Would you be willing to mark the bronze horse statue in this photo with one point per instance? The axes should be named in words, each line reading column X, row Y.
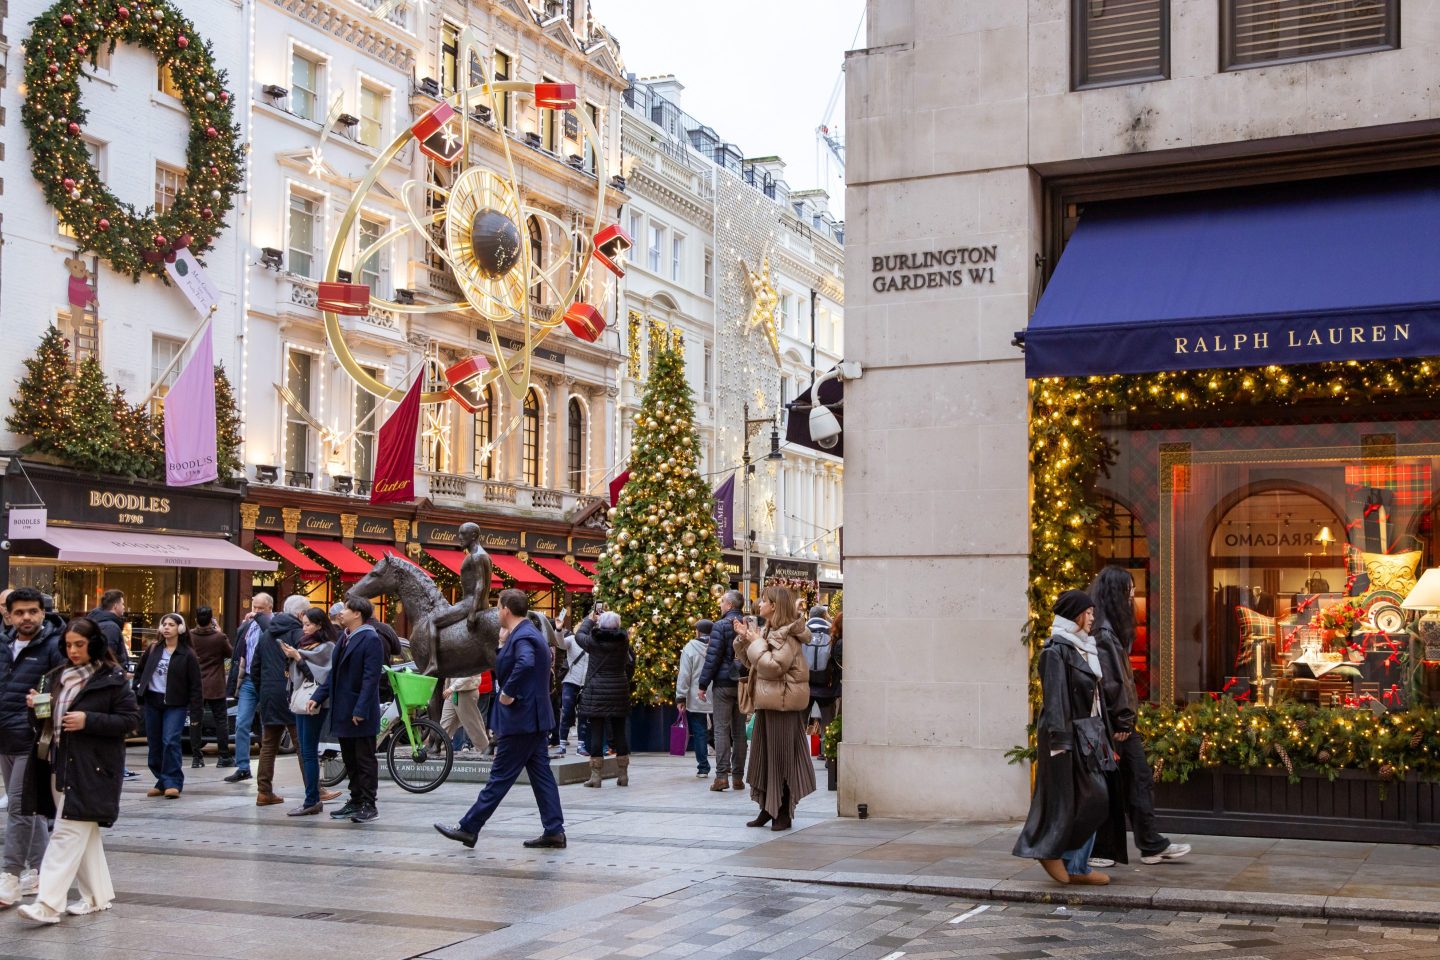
column 456, row 652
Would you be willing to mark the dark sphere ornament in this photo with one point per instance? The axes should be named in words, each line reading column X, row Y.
column 182, row 41
column 211, row 133
column 103, row 224
column 495, row 242
column 207, row 213
column 67, row 19
column 122, row 13
column 74, row 129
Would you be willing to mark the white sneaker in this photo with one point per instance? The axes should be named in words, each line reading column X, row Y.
column 1101, row 863
column 1173, row 852
column 39, row 913
column 29, row 882
column 79, row 908
column 9, row 890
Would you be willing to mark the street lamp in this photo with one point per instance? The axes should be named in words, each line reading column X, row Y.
column 752, row 427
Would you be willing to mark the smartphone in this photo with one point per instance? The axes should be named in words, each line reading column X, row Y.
column 751, row 623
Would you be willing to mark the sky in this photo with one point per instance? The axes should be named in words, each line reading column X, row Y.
column 760, row 72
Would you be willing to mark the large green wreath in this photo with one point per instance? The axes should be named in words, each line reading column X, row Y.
column 63, row 40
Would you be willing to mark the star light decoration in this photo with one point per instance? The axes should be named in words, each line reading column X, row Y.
column 763, row 300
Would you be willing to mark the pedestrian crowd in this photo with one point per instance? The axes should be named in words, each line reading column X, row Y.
column 70, row 695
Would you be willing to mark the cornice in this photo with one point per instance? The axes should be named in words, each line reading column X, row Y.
column 374, row 37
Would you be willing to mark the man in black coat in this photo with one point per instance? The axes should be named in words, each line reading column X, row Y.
column 109, row 617
column 724, row 671
column 272, row 688
column 29, row 650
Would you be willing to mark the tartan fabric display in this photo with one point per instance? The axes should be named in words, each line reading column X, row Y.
column 1409, row 482
column 1253, row 626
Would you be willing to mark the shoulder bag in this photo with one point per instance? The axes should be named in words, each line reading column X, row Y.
column 1092, row 743
column 745, row 694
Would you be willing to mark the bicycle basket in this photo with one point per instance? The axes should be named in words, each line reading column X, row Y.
column 411, row 689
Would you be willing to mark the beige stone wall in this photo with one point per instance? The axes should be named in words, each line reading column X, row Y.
column 950, row 109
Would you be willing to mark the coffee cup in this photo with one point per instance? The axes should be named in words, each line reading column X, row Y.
column 42, row 706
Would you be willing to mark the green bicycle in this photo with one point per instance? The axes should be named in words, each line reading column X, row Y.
column 418, row 754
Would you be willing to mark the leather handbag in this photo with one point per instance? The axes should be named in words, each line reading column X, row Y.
column 300, row 696
column 745, row 694
column 1092, row 743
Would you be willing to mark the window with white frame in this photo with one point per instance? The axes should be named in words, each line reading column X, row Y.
column 303, row 233
column 709, row 272
column 637, row 224
column 502, row 73
column 484, row 458
column 449, row 57
column 163, row 369
column 165, row 81
column 787, row 306
column 169, row 181
column 594, row 113
column 708, row 377
column 82, row 334
column 373, row 102
column 300, row 381
column 365, row 426
column 374, row 272
column 530, row 437
column 96, row 155
column 657, row 247
column 577, row 446
column 677, row 258
column 307, row 75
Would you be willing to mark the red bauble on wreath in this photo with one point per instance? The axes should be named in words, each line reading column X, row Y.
column 61, row 161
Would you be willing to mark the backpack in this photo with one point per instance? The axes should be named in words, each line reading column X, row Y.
column 817, row 658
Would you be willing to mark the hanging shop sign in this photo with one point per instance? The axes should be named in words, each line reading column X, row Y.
column 587, row 547
column 374, row 528
column 543, row 543
column 27, row 523
column 312, row 522
column 934, row 269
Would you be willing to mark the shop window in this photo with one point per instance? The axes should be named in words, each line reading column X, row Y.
column 1248, row 540
column 577, row 446
column 299, row 379
column 484, row 457
column 1119, row 41
column 1260, row 32
column 531, row 437
column 1120, row 540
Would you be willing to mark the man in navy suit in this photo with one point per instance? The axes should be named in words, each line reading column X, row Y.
column 353, row 689
column 523, row 721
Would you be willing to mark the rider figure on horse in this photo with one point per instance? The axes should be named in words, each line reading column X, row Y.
column 475, row 574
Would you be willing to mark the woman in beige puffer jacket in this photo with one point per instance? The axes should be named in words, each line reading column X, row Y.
column 781, row 772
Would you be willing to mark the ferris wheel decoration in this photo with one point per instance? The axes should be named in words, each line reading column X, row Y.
column 480, row 226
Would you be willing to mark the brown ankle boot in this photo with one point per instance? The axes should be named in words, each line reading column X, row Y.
column 596, row 768
column 623, row 778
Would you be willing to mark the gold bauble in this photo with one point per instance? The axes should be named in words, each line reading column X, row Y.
column 638, row 594
column 690, row 596
column 652, row 520
column 655, row 619
column 689, row 538
column 652, row 570
column 716, row 591
column 612, row 513
column 669, row 601
column 683, row 576
column 623, row 537
column 669, row 578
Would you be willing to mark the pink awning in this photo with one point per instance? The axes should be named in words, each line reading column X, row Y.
column 123, row 548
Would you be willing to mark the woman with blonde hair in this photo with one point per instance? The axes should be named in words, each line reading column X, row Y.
column 781, row 773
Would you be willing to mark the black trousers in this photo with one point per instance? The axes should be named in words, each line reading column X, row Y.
column 609, row 730
column 362, row 767
column 222, row 727
column 1136, row 781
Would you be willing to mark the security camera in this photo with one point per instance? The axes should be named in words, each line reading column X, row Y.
column 824, row 427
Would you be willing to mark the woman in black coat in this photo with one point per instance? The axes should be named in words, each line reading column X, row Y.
column 76, row 773
column 167, row 683
column 605, row 699
column 272, row 689
column 1073, row 752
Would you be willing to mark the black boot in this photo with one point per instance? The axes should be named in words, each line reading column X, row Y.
column 782, row 822
column 760, row 820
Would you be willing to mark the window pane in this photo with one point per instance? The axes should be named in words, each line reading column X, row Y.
column 304, row 87
column 168, row 183
column 449, row 56
column 364, row 455
column 709, row 273
column 298, row 369
column 372, row 272
column 303, row 214
column 484, row 459
column 1266, row 31
column 677, row 258
column 577, row 447
column 532, row 438
column 372, row 116
column 656, row 251
column 1120, row 41
column 502, row 72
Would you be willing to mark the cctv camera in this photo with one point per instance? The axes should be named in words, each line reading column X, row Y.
column 824, row 427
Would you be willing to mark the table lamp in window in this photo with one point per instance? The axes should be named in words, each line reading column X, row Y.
column 1425, row 599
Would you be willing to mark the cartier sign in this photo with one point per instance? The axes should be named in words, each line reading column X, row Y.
column 582, row 547
column 448, row 535
column 311, row 522
column 374, row 528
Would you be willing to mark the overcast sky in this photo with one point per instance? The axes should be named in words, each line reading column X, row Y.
column 760, row 72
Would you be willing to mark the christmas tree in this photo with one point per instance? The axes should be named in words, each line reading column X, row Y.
column 40, row 403
column 663, row 554
column 227, row 426
column 88, row 438
column 138, row 449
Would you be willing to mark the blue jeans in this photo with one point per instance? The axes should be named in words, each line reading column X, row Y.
column 699, row 735
column 307, row 732
column 245, row 701
column 163, row 726
column 1077, row 861
column 569, row 697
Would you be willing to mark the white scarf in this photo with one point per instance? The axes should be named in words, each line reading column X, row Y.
column 1067, row 631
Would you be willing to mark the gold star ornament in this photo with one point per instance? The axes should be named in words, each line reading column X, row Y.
column 763, row 300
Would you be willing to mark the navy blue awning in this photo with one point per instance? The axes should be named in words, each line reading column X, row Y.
column 1344, row 269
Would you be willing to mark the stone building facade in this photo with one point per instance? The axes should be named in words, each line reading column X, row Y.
column 985, row 127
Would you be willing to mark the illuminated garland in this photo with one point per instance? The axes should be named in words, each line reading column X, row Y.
column 70, row 35
column 1067, row 449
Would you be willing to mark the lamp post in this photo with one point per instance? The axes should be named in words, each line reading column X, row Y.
column 751, row 428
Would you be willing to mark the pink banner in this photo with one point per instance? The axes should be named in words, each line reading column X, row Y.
column 190, row 452
column 395, row 460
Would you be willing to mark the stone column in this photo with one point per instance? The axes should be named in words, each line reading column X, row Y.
column 558, row 438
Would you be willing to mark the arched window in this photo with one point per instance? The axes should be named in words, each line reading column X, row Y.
column 537, row 258
column 577, row 446
column 485, row 435
column 531, row 415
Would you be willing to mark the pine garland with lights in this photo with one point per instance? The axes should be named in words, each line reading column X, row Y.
column 71, row 34
column 41, row 395
column 663, row 553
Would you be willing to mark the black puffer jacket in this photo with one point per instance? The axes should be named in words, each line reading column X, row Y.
column 721, row 668
column 18, row 676
column 90, row 763
column 607, row 677
column 272, row 671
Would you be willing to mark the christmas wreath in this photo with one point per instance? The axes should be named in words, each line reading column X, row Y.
column 62, row 40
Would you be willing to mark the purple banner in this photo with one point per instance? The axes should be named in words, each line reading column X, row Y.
column 724, row 511
column 190, row 454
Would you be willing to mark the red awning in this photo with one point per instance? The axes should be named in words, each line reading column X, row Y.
column 296, row 559
column 451, row 560
column 574, row 580
column 377, row 551
column 525, row 577
column 588, row 566
column 338, row 556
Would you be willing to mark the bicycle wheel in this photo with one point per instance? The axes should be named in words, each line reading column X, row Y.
column 332, row 768
column 424, row 768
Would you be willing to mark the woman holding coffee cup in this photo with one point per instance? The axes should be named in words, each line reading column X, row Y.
column 75, row 775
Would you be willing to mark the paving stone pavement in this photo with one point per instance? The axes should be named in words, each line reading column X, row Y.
column 666, row 868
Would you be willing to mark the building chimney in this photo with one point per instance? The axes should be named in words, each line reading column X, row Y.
column 667, row 87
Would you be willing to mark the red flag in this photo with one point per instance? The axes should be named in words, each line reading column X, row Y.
column 615, row 486
column 395, row 460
